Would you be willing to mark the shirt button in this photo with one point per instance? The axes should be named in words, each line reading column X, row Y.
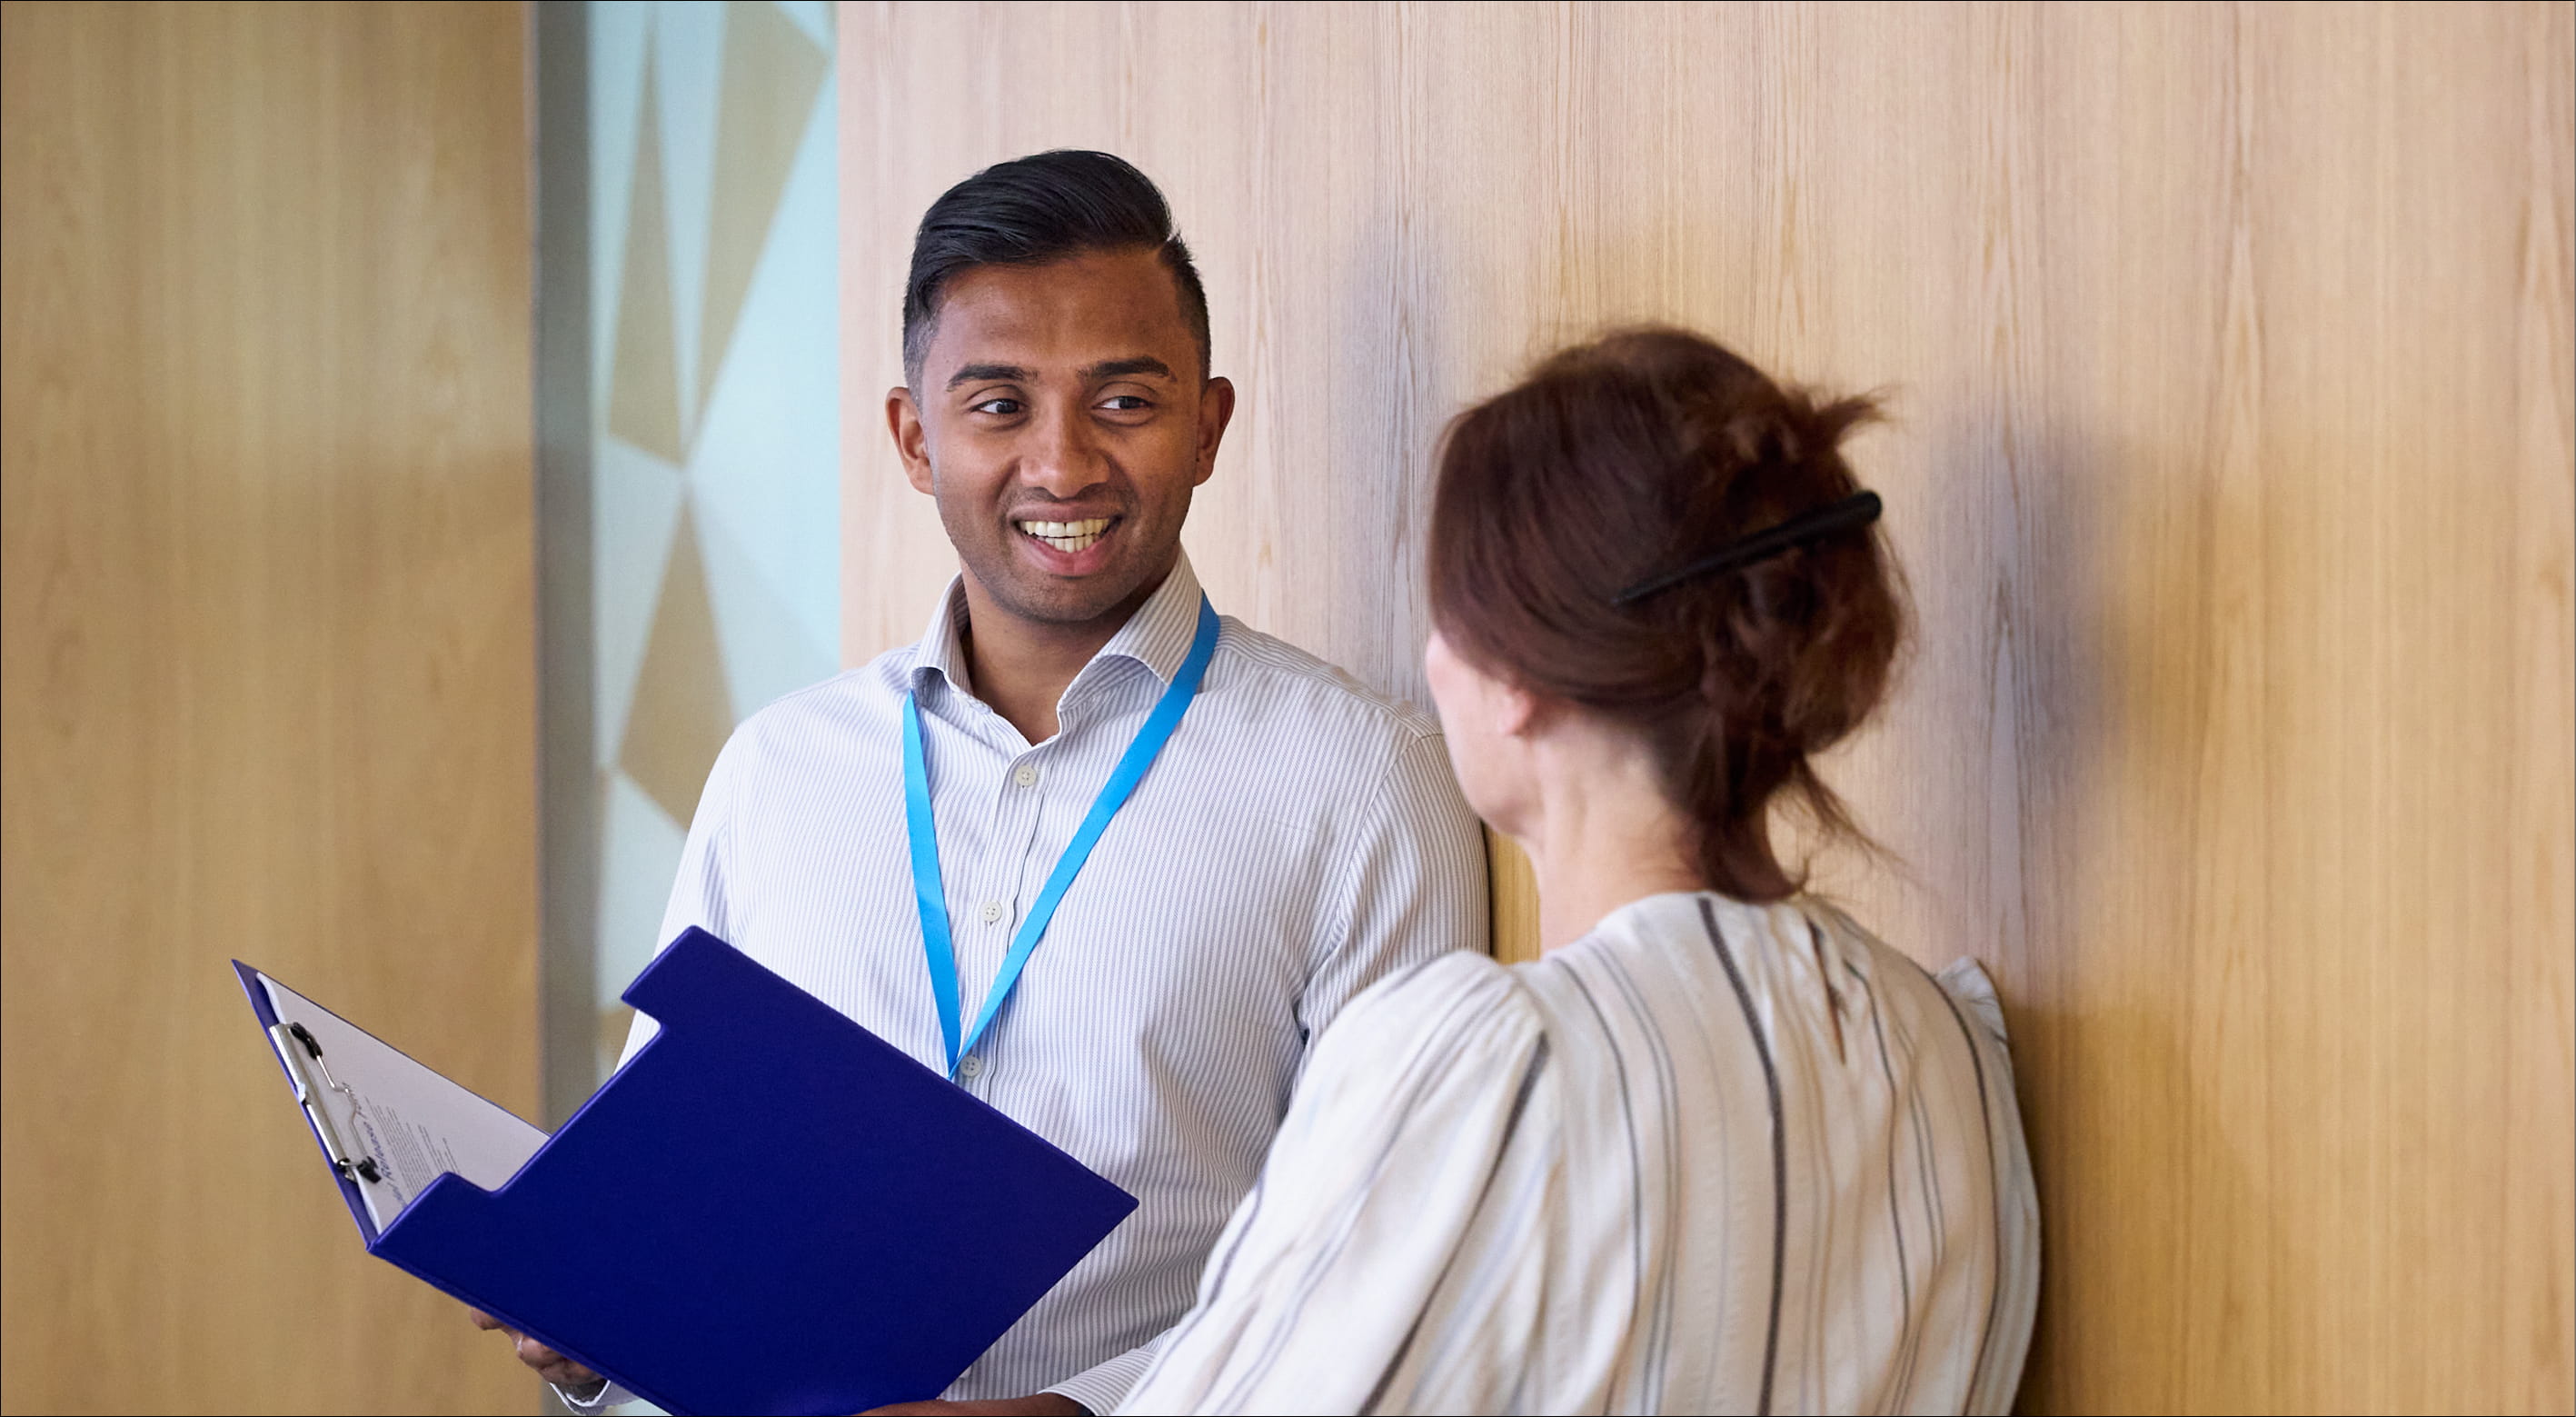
column 970, row 1067
column 1026, row 777
column 992, row 911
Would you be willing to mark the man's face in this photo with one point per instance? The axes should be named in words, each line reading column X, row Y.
column 1060, row 421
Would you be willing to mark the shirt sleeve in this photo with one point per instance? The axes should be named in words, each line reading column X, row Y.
column 2017, row 1234
column 1411, row 889
column 1358, row 1237
column 601, row 1396
column 1411, row 885
column 1101, row 1387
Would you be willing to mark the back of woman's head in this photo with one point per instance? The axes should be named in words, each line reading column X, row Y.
column 1625, row 458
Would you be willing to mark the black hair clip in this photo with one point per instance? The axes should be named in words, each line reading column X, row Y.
column 1846, row 515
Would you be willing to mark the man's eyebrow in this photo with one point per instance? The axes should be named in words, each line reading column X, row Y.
column 989, row 373
column 1117, row 368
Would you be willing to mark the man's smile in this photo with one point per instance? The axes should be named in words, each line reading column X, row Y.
column 1068, row 537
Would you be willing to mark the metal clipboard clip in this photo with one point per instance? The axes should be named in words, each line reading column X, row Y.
column 303, row 1057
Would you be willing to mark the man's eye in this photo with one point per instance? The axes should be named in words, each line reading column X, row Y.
column 1126, row 403
column 1001, row 408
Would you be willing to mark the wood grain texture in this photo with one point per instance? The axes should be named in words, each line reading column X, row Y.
column 266, row 498
column 1515, row 892
column 2229, row 350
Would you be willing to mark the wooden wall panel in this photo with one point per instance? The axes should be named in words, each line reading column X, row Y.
column 266, row 498
column 2229, row 351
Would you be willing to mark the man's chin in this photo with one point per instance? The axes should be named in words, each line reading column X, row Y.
column 1067, row 601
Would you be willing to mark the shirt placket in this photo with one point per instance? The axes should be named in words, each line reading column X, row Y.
column 995, row 902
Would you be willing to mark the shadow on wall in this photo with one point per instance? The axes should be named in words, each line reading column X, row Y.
column 2148, row 1134
column 1382, row 466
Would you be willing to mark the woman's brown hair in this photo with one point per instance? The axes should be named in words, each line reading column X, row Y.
column 1622, row 459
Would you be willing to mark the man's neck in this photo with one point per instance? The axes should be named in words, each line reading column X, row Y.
column 1020, row 667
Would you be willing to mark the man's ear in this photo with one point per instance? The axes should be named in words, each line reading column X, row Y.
column 911, row 440
column 1216, row 410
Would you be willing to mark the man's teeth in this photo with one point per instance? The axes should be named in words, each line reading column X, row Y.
column 1067, row 536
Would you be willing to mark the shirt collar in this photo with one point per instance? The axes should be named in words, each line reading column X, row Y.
column 1157, row 636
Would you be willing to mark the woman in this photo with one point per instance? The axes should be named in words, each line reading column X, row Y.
column 1718, row 1149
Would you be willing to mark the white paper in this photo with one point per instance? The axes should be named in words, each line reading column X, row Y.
column 415, row 1124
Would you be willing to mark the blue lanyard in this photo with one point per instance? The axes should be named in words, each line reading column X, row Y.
column 928, row 894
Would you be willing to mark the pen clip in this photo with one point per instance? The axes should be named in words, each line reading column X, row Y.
column 297, row 1048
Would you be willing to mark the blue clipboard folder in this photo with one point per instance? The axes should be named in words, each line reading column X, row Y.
column 767, row 1209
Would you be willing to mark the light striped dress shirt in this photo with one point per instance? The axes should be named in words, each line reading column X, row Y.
column 1299, row 838
column 1712, row 1157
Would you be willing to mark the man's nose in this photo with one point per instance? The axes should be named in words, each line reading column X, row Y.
column 1063, row 457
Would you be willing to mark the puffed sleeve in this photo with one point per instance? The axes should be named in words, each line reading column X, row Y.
column 1380, row 1236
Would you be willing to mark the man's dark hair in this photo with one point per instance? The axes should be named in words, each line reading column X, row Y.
column 1033, row 210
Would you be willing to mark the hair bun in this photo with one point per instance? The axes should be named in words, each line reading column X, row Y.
column 1596, row 473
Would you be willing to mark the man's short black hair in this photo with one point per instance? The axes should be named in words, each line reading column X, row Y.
column 1033, row 210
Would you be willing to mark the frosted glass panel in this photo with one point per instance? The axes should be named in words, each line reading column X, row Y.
column 692, row 524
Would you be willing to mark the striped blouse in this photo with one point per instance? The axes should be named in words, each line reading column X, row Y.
column 1712, row 1157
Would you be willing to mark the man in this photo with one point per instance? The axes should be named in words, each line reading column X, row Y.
column 1297, row 837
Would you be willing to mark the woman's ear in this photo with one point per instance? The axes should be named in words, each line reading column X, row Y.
column 1475, row 706
column 1516, row 712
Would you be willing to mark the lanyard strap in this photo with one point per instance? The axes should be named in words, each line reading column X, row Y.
column 931, row 898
